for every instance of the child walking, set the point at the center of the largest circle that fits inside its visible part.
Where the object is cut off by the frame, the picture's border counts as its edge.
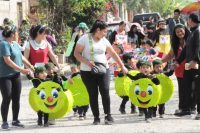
(82, 110)
(145, 69)
(157, 69)
(52, 75)
(129, 64)
(40, 76)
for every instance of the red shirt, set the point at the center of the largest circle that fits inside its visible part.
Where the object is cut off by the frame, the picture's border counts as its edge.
(180, 70)
(38, 56)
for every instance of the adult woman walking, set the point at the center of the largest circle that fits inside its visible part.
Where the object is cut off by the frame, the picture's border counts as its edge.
(92, 48)
(10, 82)
(38, 50)
(180, 35)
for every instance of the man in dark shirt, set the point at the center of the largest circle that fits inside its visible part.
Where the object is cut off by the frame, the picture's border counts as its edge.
(192, 74)
(172, 22)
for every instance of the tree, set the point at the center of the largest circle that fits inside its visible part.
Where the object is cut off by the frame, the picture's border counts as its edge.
(164, 7)
(137, 5)
(62, 14)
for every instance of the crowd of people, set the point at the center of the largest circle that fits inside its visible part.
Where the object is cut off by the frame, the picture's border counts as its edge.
(161, 47)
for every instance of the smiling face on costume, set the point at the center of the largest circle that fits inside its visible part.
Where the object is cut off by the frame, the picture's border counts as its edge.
(144, 93)
(50, 97)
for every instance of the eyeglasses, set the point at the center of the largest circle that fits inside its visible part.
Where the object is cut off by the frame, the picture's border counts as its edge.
(162, 23)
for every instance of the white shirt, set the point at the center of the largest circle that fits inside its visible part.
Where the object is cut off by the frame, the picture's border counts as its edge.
(99, 51)
(37, 46)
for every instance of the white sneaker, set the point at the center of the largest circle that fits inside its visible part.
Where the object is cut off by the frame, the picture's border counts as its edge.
(81, 118)
(161, 116)
(52, 122)
(75, 114)
(177, 111)
(148, 120)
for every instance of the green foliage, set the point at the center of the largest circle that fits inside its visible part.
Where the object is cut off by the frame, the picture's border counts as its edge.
(62, 14)
(164, 7)
(137, 5)
(86, 11)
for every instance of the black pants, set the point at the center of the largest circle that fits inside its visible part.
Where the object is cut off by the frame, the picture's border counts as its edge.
(161, 109)
(41, 115)
(125, 99)
(181, 85)
(148, 112)
(191, 90)
(82, 110)
(10, 90)
(75, 109)
(94, 85)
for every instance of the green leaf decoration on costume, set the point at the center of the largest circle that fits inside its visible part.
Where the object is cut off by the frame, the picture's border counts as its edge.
(167, 88)
(79, 91)
(122, 84)
(144, 93)
(50, 98)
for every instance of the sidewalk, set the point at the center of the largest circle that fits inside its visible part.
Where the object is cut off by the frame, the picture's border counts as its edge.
(127, 123)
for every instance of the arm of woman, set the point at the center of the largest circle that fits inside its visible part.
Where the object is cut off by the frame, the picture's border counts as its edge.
(10, 63)
(53, 58)
(27, 63)
(78, 54)
(27, 53)
(168, 57)
(114, 55)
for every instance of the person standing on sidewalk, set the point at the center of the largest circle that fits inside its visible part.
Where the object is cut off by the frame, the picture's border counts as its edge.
(96, 40)
(11, 60)
(180, 35)
(192, 69)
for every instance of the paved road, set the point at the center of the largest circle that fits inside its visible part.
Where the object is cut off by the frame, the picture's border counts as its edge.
(127, 123)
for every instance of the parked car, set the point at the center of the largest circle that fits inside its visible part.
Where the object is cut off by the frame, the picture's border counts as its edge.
(144, 18)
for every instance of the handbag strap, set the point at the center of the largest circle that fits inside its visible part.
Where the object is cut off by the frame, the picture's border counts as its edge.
(91, 47)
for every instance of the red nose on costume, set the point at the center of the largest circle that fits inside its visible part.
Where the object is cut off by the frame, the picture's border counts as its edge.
(143, 94)
(50, 99)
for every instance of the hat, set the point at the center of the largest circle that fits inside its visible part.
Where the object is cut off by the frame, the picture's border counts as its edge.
(49, 65)
(161, 20)
(39, 69)
(83, 25)
(157, 62)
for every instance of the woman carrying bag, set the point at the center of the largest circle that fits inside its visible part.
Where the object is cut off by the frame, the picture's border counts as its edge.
(91, 51)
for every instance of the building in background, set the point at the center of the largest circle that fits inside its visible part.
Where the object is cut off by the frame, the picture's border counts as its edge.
(16, 10)
(115, 12)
